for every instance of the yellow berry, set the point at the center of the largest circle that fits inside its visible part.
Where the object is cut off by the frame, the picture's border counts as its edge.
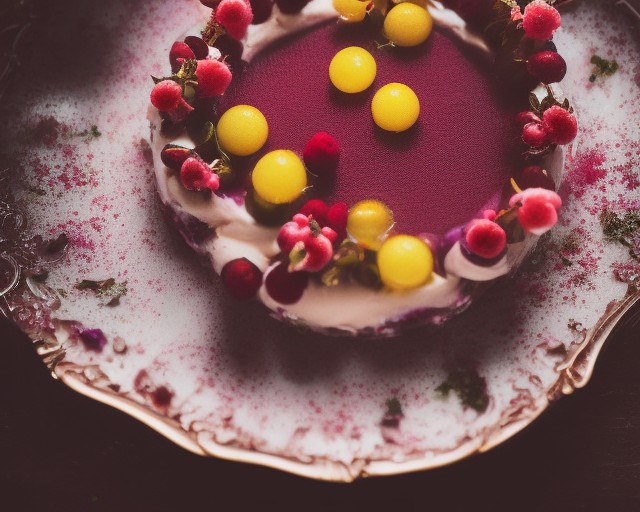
(395, 107)
(368, 222)
(352, 69)
(407, 24)
(242, 130)
(279, 177)
(404, 262)
(351, 10)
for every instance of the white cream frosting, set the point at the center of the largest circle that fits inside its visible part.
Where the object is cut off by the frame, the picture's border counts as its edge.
(349, 307)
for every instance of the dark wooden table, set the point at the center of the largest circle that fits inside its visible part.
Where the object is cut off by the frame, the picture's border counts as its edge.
(60, 451)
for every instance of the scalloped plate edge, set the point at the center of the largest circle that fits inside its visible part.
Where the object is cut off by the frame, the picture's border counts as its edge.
(574, 373)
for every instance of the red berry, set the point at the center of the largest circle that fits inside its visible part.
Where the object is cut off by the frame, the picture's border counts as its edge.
(166, 95)
(321, 154)
(537, 209)
(241, 278)
(560, 125)
(523, 118)
(261, 10)
(317, 209)
(291, 6)
(537, 216)
(485, 238)
(213, 78)
(534, 135)
(540, 20)
(337, 220)
(285, 287)
(235, 16)
(546, 66)
(174, 156)
(196, 175)
(535, 176)
(197, 46)
(179, 50)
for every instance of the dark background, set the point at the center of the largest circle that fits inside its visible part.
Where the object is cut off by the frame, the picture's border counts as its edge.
(60, 451)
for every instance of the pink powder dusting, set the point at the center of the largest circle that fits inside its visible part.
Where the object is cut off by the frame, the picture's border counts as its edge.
(586, 171)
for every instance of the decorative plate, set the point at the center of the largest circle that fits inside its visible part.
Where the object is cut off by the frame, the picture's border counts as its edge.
(123, 312)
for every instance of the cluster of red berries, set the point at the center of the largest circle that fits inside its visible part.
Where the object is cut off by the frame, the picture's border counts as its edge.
(243, 279)
(539, 22)
(194, 172)
(557, 126)
(308, 241)
(212, 78)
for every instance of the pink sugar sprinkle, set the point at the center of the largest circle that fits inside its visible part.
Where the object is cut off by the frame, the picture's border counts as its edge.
(587, 170)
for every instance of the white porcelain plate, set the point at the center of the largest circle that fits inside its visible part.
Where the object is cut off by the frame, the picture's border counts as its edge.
(226, 380)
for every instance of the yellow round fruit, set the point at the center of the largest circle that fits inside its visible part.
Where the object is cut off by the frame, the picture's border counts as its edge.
(368, 223)
(242, 130)
(352, 69)
(404, 262)
(407, 24)
(351, 10)
(395, 107)
(279, 177)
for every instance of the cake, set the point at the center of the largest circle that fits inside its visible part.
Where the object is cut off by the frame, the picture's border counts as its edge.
(355, 169)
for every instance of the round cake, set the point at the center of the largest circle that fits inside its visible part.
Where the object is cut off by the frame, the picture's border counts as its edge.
(361, 167)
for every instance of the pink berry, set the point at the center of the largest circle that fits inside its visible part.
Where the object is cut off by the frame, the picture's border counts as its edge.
(308, 245)
(166, 96)
(213, 78)
(196, 175)
(546, 66)
(197, 46)
(485, 238)
(535, 176)
(235, 16)
(291, 6)
(489, 214)
(179, 50)
(538, 209)
(560, 125)
(321, 154)
(540, 20)
(241, 278)
(285, 287)
(534, 135)
(524, 118)
(261, 10)
(293, 232)
(316, 251)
